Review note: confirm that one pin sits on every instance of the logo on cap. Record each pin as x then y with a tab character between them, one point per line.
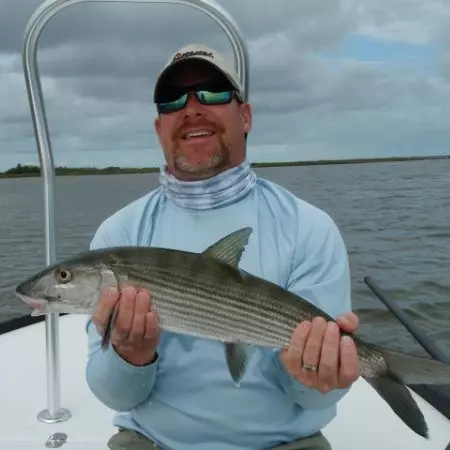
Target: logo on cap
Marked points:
183	55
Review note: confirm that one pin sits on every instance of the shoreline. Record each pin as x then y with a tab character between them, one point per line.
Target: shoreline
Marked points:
26	171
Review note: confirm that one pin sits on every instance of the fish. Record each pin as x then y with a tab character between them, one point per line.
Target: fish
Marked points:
208	295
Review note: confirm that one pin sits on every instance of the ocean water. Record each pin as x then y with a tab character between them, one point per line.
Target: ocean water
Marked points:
394	217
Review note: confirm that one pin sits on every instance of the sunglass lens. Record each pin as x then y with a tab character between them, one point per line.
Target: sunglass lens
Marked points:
174	105
214	98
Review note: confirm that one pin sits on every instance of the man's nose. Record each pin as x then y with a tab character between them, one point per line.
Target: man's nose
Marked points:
193	106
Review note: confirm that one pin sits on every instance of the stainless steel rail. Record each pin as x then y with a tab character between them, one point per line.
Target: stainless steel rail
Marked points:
54	412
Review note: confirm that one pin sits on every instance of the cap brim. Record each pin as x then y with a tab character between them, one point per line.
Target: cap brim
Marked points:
171	67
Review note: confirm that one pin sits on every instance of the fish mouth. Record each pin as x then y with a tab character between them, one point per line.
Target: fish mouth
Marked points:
35	303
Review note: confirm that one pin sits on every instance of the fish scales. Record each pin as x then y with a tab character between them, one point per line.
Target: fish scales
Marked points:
268	294
244	310
240	315
196	311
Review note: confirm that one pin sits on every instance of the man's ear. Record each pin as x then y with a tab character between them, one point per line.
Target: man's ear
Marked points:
157	124
247	117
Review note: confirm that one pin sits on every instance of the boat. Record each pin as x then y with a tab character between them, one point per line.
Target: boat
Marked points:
46	400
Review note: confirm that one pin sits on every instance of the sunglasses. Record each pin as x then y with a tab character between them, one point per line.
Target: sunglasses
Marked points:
206	95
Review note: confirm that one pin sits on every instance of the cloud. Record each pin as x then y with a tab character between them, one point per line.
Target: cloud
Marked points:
328	79
412	21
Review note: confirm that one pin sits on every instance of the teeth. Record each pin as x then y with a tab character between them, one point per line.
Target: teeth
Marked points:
197	133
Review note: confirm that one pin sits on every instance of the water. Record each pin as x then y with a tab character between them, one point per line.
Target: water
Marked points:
394	217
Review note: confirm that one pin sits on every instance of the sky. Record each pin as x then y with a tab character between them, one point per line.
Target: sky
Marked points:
329	79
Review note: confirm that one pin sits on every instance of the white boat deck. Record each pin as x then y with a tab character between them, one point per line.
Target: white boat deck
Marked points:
364	421
23	389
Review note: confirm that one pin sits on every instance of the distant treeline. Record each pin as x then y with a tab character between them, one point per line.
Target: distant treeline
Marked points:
34	171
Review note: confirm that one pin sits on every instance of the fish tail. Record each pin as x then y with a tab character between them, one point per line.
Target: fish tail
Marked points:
405	369
106	338
411	369
399	398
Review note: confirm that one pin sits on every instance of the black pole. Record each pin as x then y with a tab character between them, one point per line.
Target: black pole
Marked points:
408	323
437	396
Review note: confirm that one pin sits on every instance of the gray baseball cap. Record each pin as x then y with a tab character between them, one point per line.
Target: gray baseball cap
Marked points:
202	53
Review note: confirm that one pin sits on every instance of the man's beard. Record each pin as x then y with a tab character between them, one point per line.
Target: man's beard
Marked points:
203	165
184	164
200	163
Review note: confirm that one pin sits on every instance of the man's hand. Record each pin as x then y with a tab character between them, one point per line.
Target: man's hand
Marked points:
136	332
319	357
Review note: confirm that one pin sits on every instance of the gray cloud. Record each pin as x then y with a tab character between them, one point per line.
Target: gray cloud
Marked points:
99	61
413	21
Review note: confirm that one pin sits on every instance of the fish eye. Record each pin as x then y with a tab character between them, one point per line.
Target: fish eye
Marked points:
63	275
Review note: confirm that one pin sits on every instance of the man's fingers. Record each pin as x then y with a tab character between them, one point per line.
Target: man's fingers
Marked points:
348	322
319	344
349	362
293	355
124	319
105	308
329	359
141	308
311	354
151	326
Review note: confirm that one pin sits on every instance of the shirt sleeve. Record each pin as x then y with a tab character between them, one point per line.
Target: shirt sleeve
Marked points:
321	275
118	384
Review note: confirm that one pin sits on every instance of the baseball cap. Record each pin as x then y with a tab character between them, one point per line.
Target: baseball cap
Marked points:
201	53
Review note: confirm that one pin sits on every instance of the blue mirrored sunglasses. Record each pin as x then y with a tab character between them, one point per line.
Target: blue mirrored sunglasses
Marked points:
205	97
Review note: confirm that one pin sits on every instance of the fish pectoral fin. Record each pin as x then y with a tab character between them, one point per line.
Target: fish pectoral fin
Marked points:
399	398
230	248
37	312
106	338
236	356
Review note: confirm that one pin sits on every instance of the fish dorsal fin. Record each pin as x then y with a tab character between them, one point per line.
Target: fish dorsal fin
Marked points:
230	248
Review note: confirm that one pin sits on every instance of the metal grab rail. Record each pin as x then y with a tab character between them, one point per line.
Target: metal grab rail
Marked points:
54	412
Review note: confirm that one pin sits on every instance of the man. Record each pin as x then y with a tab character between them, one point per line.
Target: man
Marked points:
174	391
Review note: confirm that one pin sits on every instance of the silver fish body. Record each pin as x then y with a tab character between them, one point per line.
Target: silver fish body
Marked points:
208	298
207	295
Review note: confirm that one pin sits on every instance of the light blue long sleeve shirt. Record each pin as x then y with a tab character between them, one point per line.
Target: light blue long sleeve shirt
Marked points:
186	400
